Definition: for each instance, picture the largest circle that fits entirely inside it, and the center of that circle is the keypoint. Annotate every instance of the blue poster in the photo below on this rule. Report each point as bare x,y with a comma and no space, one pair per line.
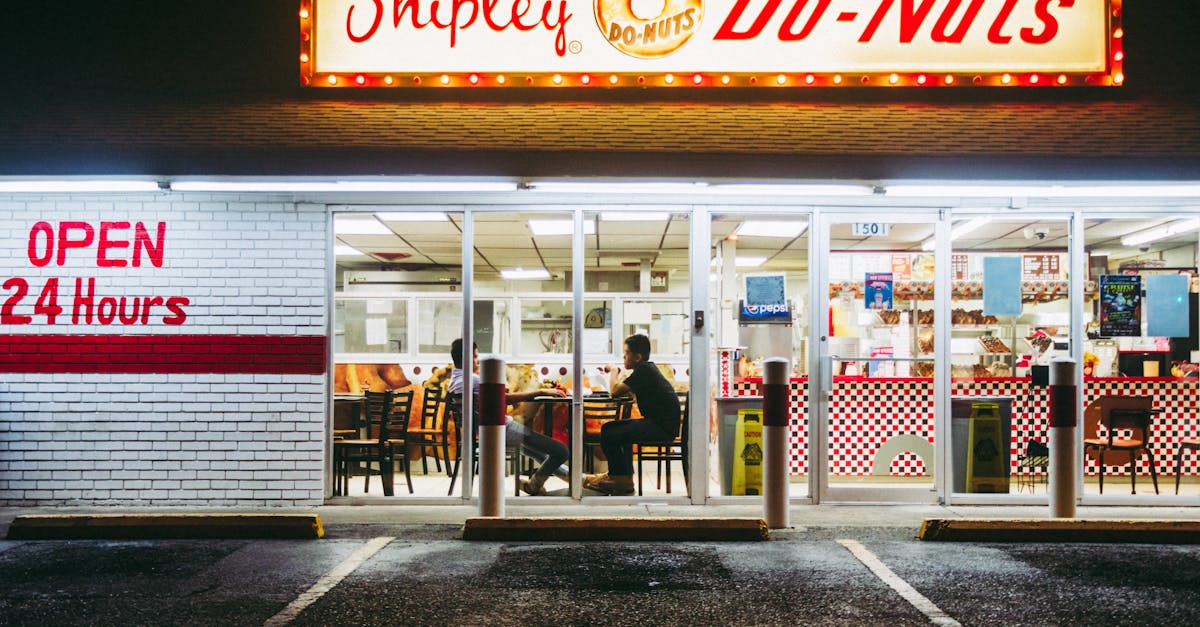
1167,305
877,290
1120,305
1001,286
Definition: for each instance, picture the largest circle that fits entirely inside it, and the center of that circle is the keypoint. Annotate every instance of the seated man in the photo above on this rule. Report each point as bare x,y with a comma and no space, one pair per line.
657,401
553,452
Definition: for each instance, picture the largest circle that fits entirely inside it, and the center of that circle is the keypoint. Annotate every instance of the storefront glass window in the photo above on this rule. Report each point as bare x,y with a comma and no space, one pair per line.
373,325
1010,316
1140,360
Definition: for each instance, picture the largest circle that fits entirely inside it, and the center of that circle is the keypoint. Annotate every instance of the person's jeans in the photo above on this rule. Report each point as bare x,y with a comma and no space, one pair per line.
618,437
553,452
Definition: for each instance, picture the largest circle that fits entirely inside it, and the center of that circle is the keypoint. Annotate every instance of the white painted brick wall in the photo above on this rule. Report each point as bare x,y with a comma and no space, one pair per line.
172,439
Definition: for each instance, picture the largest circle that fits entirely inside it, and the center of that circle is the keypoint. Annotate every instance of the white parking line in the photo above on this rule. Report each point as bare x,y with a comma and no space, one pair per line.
910,594
328,581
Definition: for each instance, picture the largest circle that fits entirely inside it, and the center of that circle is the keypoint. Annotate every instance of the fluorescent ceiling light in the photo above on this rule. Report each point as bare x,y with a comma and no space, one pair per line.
367,226
771,228
1099,253
1160,232
621,187
48,186
1044,191
412,216
958,231
749,262
343,250
783,189
518,274
342,186
559,227
634,216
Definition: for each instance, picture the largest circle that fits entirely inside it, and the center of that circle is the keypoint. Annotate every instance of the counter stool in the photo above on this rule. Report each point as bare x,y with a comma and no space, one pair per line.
1186,444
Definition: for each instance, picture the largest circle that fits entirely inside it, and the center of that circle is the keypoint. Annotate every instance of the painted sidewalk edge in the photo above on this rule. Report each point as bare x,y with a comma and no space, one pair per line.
143,526
1059,530
568,528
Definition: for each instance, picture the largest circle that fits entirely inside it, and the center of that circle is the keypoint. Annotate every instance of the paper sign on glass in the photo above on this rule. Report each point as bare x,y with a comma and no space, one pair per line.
1167,305
1002,286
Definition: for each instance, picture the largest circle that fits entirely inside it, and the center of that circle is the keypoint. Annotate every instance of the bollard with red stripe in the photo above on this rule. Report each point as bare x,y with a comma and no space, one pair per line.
776,398
492,416
1064,419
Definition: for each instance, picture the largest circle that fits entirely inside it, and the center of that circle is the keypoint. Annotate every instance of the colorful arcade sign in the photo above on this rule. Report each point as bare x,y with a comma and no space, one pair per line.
710,43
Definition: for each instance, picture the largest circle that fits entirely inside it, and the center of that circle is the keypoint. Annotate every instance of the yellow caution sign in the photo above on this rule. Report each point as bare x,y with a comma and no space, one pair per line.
748,453
985,452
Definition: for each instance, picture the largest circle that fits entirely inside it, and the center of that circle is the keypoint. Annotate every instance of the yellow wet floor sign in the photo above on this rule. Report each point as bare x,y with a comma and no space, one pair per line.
985,455
748,453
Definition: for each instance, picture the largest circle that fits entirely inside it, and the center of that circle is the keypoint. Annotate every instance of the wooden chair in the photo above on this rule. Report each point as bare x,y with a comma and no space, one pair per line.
434,432
1119,415
663,453
597,412
1186,444
378,444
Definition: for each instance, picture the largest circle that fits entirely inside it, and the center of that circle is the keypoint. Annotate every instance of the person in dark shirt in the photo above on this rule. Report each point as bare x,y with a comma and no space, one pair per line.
659,405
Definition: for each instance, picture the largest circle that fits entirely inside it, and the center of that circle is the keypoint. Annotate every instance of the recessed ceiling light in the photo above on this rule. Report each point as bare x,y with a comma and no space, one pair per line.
520,274
344,250
360,226
771,228
559,227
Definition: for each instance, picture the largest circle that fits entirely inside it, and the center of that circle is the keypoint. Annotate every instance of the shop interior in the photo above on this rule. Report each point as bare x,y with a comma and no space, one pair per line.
398,306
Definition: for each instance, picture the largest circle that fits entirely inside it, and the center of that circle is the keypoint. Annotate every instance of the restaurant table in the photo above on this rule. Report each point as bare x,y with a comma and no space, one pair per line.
354,403
548,403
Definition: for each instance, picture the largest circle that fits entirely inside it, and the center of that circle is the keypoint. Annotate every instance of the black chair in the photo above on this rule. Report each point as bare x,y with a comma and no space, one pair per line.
513,455
385,423
1118,421
664,452
597,412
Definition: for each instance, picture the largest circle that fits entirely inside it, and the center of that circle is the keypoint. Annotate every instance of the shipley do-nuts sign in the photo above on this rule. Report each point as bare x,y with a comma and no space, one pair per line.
383,43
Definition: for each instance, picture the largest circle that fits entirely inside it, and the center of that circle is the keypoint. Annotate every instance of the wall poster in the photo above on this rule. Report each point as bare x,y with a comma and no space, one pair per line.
1120,305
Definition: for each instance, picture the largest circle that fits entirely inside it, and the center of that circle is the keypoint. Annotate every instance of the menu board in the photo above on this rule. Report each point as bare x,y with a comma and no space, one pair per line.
958,267
1120,305
1041,267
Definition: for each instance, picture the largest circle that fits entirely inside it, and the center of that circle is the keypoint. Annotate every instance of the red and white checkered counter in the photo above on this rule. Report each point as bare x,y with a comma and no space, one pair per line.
868,412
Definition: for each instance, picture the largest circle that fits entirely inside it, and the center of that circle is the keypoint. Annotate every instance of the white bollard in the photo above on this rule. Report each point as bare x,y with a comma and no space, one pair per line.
776,397
1064,414
492,416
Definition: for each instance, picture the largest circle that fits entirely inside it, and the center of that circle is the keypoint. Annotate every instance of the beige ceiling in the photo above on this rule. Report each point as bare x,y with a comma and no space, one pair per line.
504,240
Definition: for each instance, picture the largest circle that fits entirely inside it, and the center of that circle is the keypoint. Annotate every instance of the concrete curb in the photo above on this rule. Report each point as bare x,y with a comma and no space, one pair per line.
550,529
1060,530
147,526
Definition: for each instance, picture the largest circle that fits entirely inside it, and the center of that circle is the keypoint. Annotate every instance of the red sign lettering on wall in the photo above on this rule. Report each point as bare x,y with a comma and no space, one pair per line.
110,244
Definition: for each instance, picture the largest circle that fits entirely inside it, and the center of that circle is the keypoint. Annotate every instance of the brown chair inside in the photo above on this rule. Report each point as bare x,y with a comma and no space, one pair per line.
597,412
434,431
377,444
1186,444
666,452
1126,421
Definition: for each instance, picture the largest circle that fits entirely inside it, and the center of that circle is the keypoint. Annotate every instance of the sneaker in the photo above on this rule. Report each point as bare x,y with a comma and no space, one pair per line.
614,486
590,480
534,486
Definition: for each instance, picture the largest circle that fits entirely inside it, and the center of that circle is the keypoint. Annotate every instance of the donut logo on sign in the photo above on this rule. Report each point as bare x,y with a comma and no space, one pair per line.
644,38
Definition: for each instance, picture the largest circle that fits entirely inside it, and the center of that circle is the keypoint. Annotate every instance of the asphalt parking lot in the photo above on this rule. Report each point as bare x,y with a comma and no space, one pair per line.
378,573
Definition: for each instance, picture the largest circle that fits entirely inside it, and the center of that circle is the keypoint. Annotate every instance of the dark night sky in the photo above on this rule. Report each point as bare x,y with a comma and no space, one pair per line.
166,48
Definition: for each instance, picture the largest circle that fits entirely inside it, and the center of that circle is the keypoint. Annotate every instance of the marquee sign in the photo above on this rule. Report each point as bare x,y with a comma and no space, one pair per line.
710,43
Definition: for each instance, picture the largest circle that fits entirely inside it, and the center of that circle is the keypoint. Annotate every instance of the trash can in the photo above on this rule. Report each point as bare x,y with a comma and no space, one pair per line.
727,416
961,410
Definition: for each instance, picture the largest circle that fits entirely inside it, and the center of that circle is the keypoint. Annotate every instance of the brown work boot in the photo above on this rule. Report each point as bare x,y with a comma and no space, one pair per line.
615,485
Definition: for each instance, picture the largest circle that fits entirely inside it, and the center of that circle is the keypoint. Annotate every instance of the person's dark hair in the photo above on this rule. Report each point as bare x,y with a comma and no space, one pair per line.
640,345
456,352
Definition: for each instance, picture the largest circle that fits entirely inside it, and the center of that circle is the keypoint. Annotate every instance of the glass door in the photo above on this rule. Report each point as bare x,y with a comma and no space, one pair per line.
876,393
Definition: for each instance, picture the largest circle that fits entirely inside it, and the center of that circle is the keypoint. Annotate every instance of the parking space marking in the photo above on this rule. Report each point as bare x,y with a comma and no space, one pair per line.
328,581
910,594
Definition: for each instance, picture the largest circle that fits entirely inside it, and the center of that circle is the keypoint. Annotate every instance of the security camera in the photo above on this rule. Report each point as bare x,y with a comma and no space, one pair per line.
1041,232
1144,249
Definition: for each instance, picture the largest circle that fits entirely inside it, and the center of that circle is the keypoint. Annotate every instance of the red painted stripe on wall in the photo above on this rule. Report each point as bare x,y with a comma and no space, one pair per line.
163,354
